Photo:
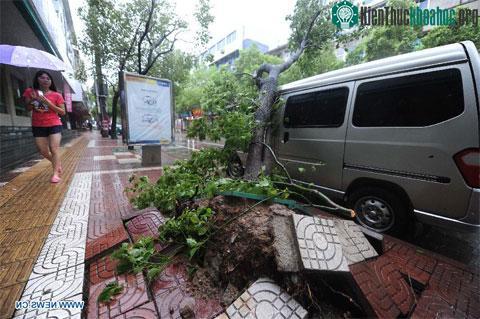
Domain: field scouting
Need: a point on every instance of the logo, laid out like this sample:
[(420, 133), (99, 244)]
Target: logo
[(344, 15)]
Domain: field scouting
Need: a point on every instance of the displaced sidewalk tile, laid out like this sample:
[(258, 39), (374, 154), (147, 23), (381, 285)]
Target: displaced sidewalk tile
[(375, 297), (111, 238), (319, 244), (286, 253), (355, 245), (171, 295), (102, 269), (265, 299), (134, 291), (145, 225), (410, 260), (398, 289), (146, 311)]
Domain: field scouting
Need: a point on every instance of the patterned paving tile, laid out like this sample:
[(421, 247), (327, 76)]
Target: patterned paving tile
[(58, 271), (70, 226), (145, 225), (378, 301), (61, 285), (355, 245), (170, 293), (133, 295), (146, 311), (265, 299), (58, 253), (109, 239), (101, 270), (319, 244)]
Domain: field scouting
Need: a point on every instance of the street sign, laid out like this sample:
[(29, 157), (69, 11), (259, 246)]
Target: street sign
[(148, 109)]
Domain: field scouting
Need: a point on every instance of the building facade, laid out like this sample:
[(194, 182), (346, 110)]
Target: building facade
[(226, 50), (45, 25)]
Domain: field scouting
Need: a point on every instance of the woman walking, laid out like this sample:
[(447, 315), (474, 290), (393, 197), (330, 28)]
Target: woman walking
[(47, 104)]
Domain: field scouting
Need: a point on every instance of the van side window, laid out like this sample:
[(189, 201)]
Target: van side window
[(413, 101), (316, 109)]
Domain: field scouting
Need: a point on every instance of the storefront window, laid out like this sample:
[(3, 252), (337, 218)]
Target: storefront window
[(18, 87)]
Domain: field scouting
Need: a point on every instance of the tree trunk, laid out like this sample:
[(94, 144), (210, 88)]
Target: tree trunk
[(116, 95), (101, 93), (259, 158)]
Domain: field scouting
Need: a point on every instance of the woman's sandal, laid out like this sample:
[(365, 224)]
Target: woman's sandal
[(55, 179)]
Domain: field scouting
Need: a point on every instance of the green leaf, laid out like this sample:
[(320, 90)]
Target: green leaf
[(301, 169), (110, 290), (153, 273), (191, 242)]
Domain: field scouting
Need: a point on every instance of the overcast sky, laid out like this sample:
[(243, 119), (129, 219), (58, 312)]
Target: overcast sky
[(265, 19)]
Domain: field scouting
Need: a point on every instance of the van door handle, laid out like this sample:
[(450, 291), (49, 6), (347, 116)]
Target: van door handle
[(286, 136)]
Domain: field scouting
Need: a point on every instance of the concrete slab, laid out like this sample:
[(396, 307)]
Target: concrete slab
[(319, 244), (128, 160), (355, 245), (286, 252), (105, 158), (151, 155), (265, 299)]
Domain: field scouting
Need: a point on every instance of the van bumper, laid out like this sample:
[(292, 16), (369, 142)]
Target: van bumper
[(471, 221)]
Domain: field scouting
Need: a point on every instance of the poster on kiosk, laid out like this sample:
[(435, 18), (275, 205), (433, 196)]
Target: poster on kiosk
[(149, 109)]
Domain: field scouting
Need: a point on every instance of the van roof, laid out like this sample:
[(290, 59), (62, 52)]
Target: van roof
[(425, 58)]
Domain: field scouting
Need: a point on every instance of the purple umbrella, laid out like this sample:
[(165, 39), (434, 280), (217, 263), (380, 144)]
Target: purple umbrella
[(29, 58)]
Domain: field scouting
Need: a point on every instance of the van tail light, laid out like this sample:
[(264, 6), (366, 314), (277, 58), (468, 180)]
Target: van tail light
[(468, 162)]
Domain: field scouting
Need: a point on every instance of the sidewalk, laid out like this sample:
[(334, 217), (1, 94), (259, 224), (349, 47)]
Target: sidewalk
[(53, 239), (46, 229)]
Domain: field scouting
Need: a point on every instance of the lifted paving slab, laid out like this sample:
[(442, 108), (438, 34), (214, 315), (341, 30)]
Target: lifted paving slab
[(355, 245), (319, 244), (265, 299)]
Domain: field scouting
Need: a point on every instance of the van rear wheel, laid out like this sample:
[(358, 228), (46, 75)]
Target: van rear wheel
[(380, 210)]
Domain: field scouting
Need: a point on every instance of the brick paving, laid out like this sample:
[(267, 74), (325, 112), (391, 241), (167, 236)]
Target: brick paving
[(26, 221)]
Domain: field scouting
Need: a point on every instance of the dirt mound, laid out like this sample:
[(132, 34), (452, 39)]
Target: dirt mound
[(241, 251)]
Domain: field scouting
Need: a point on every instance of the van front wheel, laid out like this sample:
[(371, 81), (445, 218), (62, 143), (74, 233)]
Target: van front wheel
[(379, 210)]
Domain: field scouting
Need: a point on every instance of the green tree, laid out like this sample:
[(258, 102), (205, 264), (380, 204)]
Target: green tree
[(442, 35), (141, 34), (174, 66), (250, 59), (312, 63)]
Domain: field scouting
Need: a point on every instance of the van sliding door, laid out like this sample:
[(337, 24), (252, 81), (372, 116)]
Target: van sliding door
[(311, 139)]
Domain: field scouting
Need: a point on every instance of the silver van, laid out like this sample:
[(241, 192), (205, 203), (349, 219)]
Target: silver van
[(397, 139)]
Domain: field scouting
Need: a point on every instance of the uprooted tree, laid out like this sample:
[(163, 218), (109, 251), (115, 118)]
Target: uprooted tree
[(231, 242), (245, 122)]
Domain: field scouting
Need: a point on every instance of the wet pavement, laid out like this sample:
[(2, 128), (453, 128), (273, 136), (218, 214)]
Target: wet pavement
[(52, 237)]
